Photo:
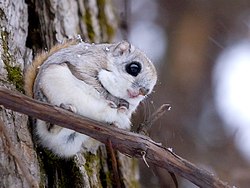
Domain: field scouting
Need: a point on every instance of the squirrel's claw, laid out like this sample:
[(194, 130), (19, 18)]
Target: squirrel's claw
[(68, 107), (121, 105)]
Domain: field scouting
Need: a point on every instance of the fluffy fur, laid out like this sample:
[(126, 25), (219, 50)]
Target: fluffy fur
[(92, 80)]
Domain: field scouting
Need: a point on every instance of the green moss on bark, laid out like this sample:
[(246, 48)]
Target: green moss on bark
[(58, 172), (87, 20), (107, 31), (105, 26), (14, 72)]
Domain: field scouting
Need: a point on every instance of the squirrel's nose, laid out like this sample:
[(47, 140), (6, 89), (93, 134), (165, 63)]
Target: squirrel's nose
[(143, 91)]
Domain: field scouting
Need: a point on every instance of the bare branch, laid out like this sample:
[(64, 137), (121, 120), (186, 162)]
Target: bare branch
[(124, 141), (145, 126)]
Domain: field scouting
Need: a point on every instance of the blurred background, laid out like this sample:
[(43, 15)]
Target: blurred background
[(202, 53)]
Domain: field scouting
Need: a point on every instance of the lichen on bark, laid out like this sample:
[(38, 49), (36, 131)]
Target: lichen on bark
[(14, 72)]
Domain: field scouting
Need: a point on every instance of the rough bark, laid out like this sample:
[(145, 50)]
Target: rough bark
[(28, 27), (13, 34)]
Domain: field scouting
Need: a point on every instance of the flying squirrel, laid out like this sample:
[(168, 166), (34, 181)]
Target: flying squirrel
[(104, 82)]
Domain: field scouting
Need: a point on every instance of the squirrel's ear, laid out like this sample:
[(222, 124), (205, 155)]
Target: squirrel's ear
[(121, 48)]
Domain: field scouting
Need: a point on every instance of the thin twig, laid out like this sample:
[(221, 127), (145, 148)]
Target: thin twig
[(144, 158), (146, 126), (114, 164)]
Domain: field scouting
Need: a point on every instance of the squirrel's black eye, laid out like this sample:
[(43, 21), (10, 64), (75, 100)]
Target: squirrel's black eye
[(133, 68)]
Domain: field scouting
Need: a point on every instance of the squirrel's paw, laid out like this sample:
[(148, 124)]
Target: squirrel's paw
[(68, 107), (54, 129), (112, 104), (121, 105)]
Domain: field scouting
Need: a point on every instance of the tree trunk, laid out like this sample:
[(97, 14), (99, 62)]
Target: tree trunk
[(28, 27)]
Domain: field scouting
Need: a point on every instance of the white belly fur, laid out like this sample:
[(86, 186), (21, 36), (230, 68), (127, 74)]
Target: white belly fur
[(64, 88)]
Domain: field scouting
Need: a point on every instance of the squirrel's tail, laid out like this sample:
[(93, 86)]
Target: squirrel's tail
[(32, 70)]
